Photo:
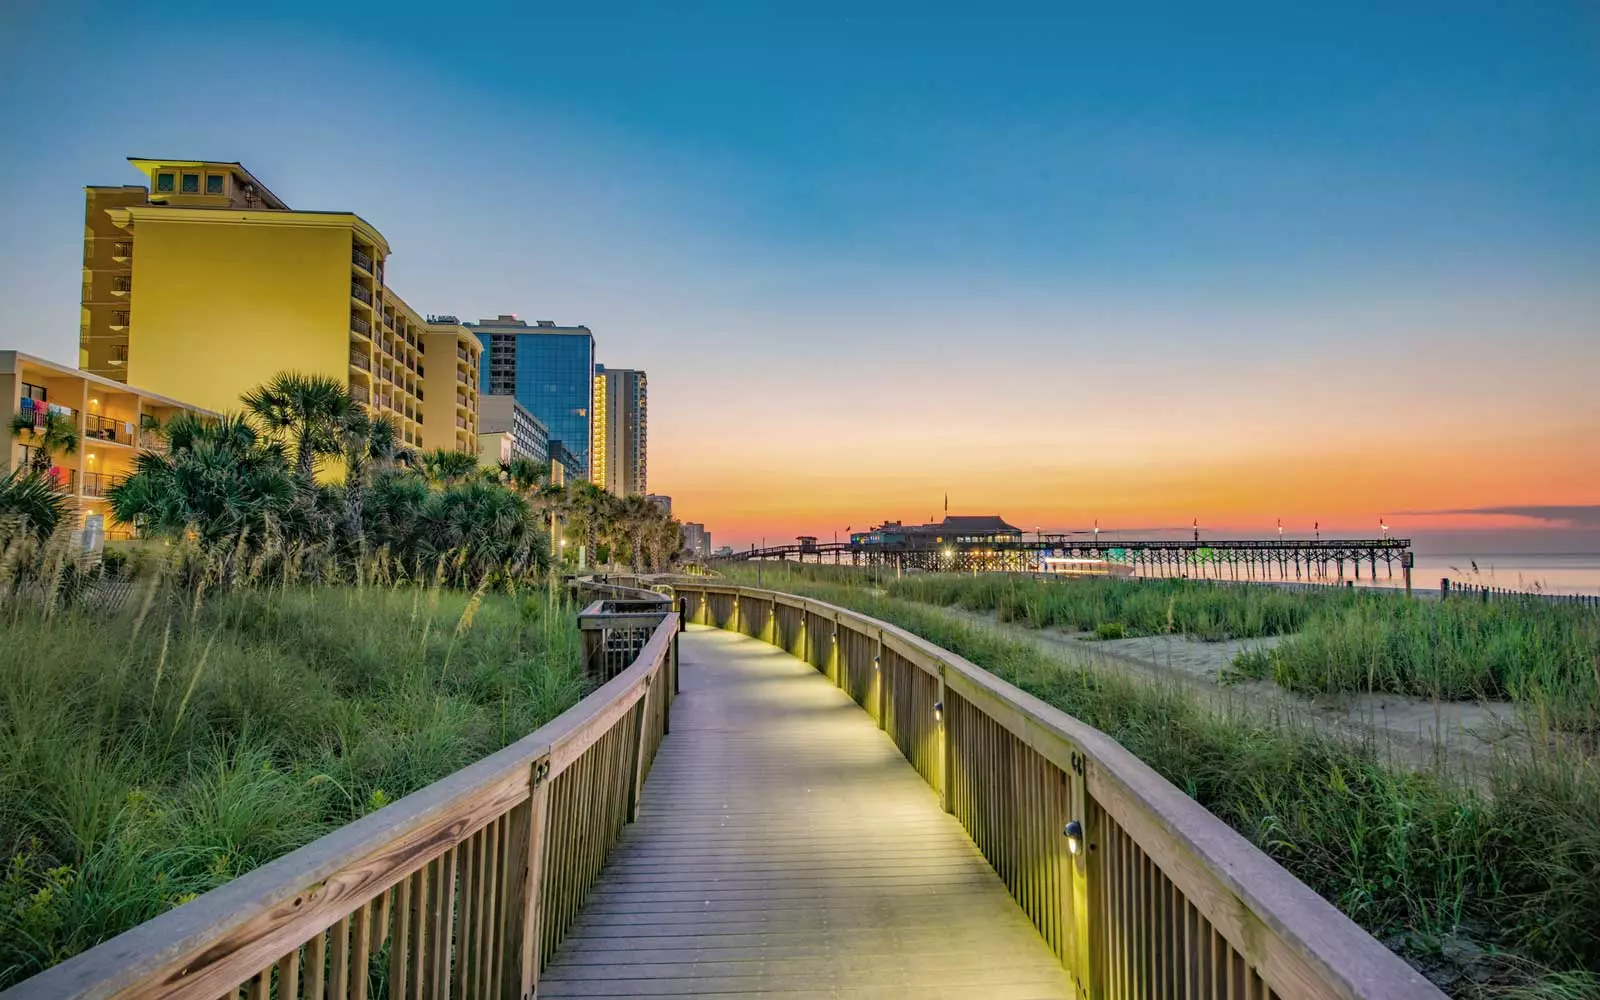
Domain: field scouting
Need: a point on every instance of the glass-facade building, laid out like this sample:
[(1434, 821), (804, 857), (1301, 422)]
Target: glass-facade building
[(550, 371)]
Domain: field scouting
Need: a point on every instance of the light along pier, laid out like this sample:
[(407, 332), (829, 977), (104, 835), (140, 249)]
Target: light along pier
[(1306, 560)]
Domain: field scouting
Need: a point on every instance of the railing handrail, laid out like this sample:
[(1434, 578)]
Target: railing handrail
[(206, 947), (1324, 953)]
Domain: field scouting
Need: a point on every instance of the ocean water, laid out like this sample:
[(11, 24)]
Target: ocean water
[(1577, 573)]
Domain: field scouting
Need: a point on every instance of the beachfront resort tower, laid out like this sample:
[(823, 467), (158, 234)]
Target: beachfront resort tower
[(549, 369), (620, 450), (203, 284)]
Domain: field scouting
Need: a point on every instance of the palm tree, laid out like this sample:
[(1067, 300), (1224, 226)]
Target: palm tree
[(588, 512), (33, 499), (55, 434), (307, 411), (445, 466), (527, 476), (367, 441), (217, 480)]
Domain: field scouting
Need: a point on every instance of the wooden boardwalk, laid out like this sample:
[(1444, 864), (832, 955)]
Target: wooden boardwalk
[(786, 849)]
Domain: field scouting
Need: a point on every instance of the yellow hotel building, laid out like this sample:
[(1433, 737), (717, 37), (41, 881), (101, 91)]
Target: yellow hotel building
[(203, 284)]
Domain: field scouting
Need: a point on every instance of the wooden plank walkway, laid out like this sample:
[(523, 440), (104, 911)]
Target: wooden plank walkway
[(786, 849)]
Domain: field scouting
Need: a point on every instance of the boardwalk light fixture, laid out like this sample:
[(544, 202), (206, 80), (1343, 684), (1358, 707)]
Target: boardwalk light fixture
[(938, 712), (875, 664), (1074, 835)]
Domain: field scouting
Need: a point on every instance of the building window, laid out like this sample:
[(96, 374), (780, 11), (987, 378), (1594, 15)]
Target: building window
[(213, 183), (191, 183), (164, 183)]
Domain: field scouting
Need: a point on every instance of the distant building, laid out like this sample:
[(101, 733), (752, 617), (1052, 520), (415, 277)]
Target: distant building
[(563, 464), (507, 431), (726, 550), (696, 539), (550, 369), (619, 451), (661, 500), (983, 528), (448, 393)]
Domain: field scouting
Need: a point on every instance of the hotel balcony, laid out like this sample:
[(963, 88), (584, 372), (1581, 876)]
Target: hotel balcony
[(122, 250), (360, 394), (361, 260), (121, 284), (119, 320), (95, 484), (360, 326), (361, 294), (461, 400), (461, 422), (99, 428), (361, 361)]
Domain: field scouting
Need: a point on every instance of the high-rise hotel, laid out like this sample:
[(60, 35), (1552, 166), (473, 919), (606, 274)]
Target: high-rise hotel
[(621, 435), (550, 371), (203, 284)]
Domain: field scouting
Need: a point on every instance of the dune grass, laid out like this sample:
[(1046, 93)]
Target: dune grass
[(1543, 655), (1492, 892), (151, 754)]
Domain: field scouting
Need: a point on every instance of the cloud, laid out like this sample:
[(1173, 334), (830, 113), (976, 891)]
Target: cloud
[(1569, 515)]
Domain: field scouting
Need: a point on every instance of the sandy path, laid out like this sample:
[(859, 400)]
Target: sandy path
[(1417, 732)]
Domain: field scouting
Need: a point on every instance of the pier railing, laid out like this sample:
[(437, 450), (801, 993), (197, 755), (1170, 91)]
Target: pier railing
[(1139, 890), (462, 889)]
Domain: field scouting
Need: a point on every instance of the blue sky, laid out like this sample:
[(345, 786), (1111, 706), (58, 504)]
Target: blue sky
[(767, 206)]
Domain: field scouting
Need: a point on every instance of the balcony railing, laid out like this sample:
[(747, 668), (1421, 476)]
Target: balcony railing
[(362, 293), (95, 484), (461, 352), (123, 250), (361, 326), (461, 422), (361, 260), (360, 394), (105, 429), (121, 284), (119, 319), (461, 399), (361, 361)]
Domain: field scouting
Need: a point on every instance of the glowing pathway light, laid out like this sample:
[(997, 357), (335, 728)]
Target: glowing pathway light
[(1074, 835)]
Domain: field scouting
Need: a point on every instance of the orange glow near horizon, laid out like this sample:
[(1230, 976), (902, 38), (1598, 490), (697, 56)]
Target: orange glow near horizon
[(1060, 465)]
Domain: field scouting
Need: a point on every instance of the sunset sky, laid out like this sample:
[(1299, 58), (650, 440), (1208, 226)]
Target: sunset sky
[(1135, 263)]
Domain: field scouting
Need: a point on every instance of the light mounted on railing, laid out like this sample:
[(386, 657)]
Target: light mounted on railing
[(1074, 835), (875, 664), (938, 712)]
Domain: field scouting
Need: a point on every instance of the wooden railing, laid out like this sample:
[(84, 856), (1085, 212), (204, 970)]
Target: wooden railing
[(463, 889), (1138, 889)]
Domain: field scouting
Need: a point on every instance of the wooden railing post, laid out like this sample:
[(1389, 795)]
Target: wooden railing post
[(943, 736), (525, 873), (877, 676), (1085, 867), (636, 768)]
